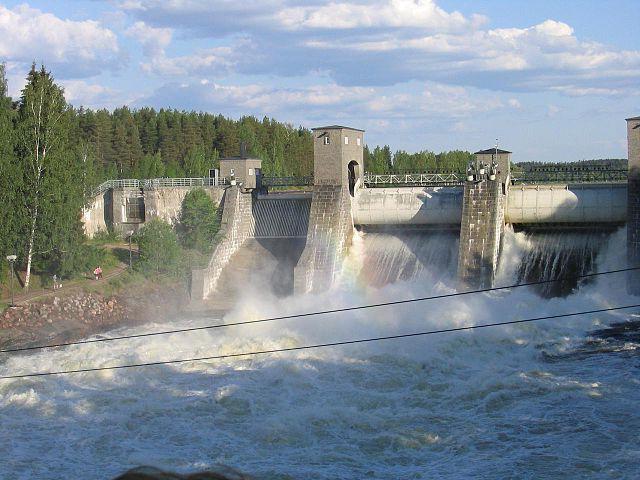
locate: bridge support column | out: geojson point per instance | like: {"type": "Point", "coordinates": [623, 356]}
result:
{"type": "Point", "coordinates": [483, 208]}
{"type": "Point", "coordinates": [633, 208]}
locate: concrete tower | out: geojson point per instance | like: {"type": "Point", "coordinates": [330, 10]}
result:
{"type": "Point", "coordinates": [338, 167]}
{"type": "Point", "coordinates": [483, 207]}
{"type": "Point", "coordinates": [338, 155]}
{"type": "Point", "coordinates": [633, 208]}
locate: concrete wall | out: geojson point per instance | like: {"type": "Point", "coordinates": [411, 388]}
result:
{"type": "Point", "coordinates": [532, 204]}
{"type": "Point", "coordinates": [633, 199]}
{"type": "Point", "coordinates": [408, 205]}
{"type": "Point", "coordinates": [166, 202]}
{"type": "Point", "coordinates": [526, 204]}
{"type": "Point", "coordinates": [109, 210]}
{"type": "Point", "coordinates": [120, 222]}
{"type": "Point", "coordinates": [235, 228]}
{"type": "Point", "coordinates": [328, 237]}
{"type": "Point", "coordinates": [93, 216]}
{"type": "Point", "coordinates": [480, 233]}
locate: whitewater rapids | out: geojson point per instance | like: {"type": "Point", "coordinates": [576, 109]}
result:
{"type": "Point", "coordinates": [524, 401]}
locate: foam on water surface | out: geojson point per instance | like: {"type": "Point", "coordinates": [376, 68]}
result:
{"type": "Point", "coordinates": [503, 402]}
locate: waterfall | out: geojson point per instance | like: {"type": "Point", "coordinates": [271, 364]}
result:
{"type": "Point", "coordinates": [549, 255]}
{"type": "Point", "coordinates": [391, 257]}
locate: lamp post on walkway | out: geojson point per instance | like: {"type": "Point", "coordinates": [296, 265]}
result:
{"type": "Point", "coordinates": [11, 259]}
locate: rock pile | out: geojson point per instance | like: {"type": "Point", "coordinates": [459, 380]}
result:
{"type": "Point", "coordinates": [87, 309]}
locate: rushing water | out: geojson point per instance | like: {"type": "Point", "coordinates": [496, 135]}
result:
{"type": "Point", "coordinates": [528, 401]}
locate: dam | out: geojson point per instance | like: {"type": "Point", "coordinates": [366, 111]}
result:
{"type": "Point", "coordinates": [307, 232]}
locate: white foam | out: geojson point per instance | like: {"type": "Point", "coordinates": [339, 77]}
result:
{"type": "Point", "coordinates": [437, 406]}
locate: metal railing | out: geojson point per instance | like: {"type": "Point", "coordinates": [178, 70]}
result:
{"type": "Point", "coordinates": [184, 182]}
{"type": "Point", "coordinates": [413, 179]}
{"type": "Point", "coordinates": [568, 175]}
{"type": "Point", "coordinates": [152, 183]}
{"type": "Point", "coordinates": [286, 181]}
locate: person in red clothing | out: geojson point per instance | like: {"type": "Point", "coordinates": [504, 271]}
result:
{"type": "Point", "coordinates": [97, 273]}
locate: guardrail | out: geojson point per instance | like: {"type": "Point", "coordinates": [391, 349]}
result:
{"type": "Point", "coordinates": [152, 183]}
{"type": "Point", "coordinates": [286, 181]}
{"type": "Point", "coordinates": [569, 175]}
{"type": "Point", "coordinates": [414, 179]}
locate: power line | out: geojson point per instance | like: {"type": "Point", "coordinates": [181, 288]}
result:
{"type": "Point", "coordinates": [310, 314]}
{"type": "Point", "coordinates": [317, 345]}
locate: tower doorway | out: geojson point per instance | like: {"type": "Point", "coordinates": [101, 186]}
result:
{"type": "Point", "coordinates": [353, 170]}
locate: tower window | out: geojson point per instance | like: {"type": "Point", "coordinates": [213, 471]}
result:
{"type": "Point", "coordinates": [358, 141]}
{"type": "Point", "coordinates": [326, 140]}
{"type": "Point", "coordinates": [346, 140]}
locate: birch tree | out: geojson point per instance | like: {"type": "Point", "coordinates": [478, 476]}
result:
{"type": "Point", "coordinates": [43, 116]}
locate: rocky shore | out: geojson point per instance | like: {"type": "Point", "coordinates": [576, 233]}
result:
{"type": "Point", "coordinates": [79, 314]}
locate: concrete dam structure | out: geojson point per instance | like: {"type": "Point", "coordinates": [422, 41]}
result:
{"type": "Point", "coordinates": [308, 233]}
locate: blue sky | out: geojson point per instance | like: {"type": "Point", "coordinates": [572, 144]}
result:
{"type": "Point", "coordinates": [551, 80]}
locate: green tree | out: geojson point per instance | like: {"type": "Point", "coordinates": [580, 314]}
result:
{"type": "Point", "coordinates": [198, 221]}
{"type": "Point", "coordinates": [196, 163]}
{"type": "Point", "coordinates": [159, 249]}
{"type": "Point", "coordinates": [150, 166]}
{"type": "Point", "coordinates": [10, 176]}
{"type": "Point", "coordinates": [53, 188]}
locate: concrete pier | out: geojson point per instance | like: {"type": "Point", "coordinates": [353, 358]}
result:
{"type": "Point", "coordinates": [483, 208]}
{"type": "Point", "coordinates": [633, 204]}
{"type": "Point", "coordinates": [480, 233]}
{"type": "Point", "coordinates": [338, 169]}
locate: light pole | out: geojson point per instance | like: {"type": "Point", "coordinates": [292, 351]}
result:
{"type": "Point", "coordinates": [11, 259]}
{"type": "Point", "coordinates": [130, 262]}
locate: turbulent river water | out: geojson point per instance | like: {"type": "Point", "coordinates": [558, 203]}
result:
{"type": "Point", "coordinates": [547, 399]}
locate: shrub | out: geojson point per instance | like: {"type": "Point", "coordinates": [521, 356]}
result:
{"type": "Point", "coordinates": [158, 247]}
{"type": "Point", "coordinates": [199, 221]}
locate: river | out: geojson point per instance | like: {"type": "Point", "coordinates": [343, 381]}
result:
{"type": "Point", "coordinates": [548, 399]}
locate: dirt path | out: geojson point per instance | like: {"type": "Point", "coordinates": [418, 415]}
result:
{"type": "Point", "coordinates": [68, 286]}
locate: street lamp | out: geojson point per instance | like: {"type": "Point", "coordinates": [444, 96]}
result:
{"type": "Point", "coordinates": [11, 259]}
{"type": "Point", "coordinates": [130, 260]}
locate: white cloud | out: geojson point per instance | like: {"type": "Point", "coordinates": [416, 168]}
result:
{"type": "Point", "coordinates": [74, 47]}
{"type": "Point", "coordinates": [80, 93]}
{"type": "Point", "coordinates": [219, 60]}
{"type": "Point", "coordinates": [328, 101]}
{"type": "Point", "coordinates": [421, 14]}
{"type": "Point", "coordinates": [154, 40]}
{"type": "Point", "coordinates": [552, 110]}
{"type": "Point", "coordinates": [575, 91]}
{"type": "Point", "coordinates": [388, 42]}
